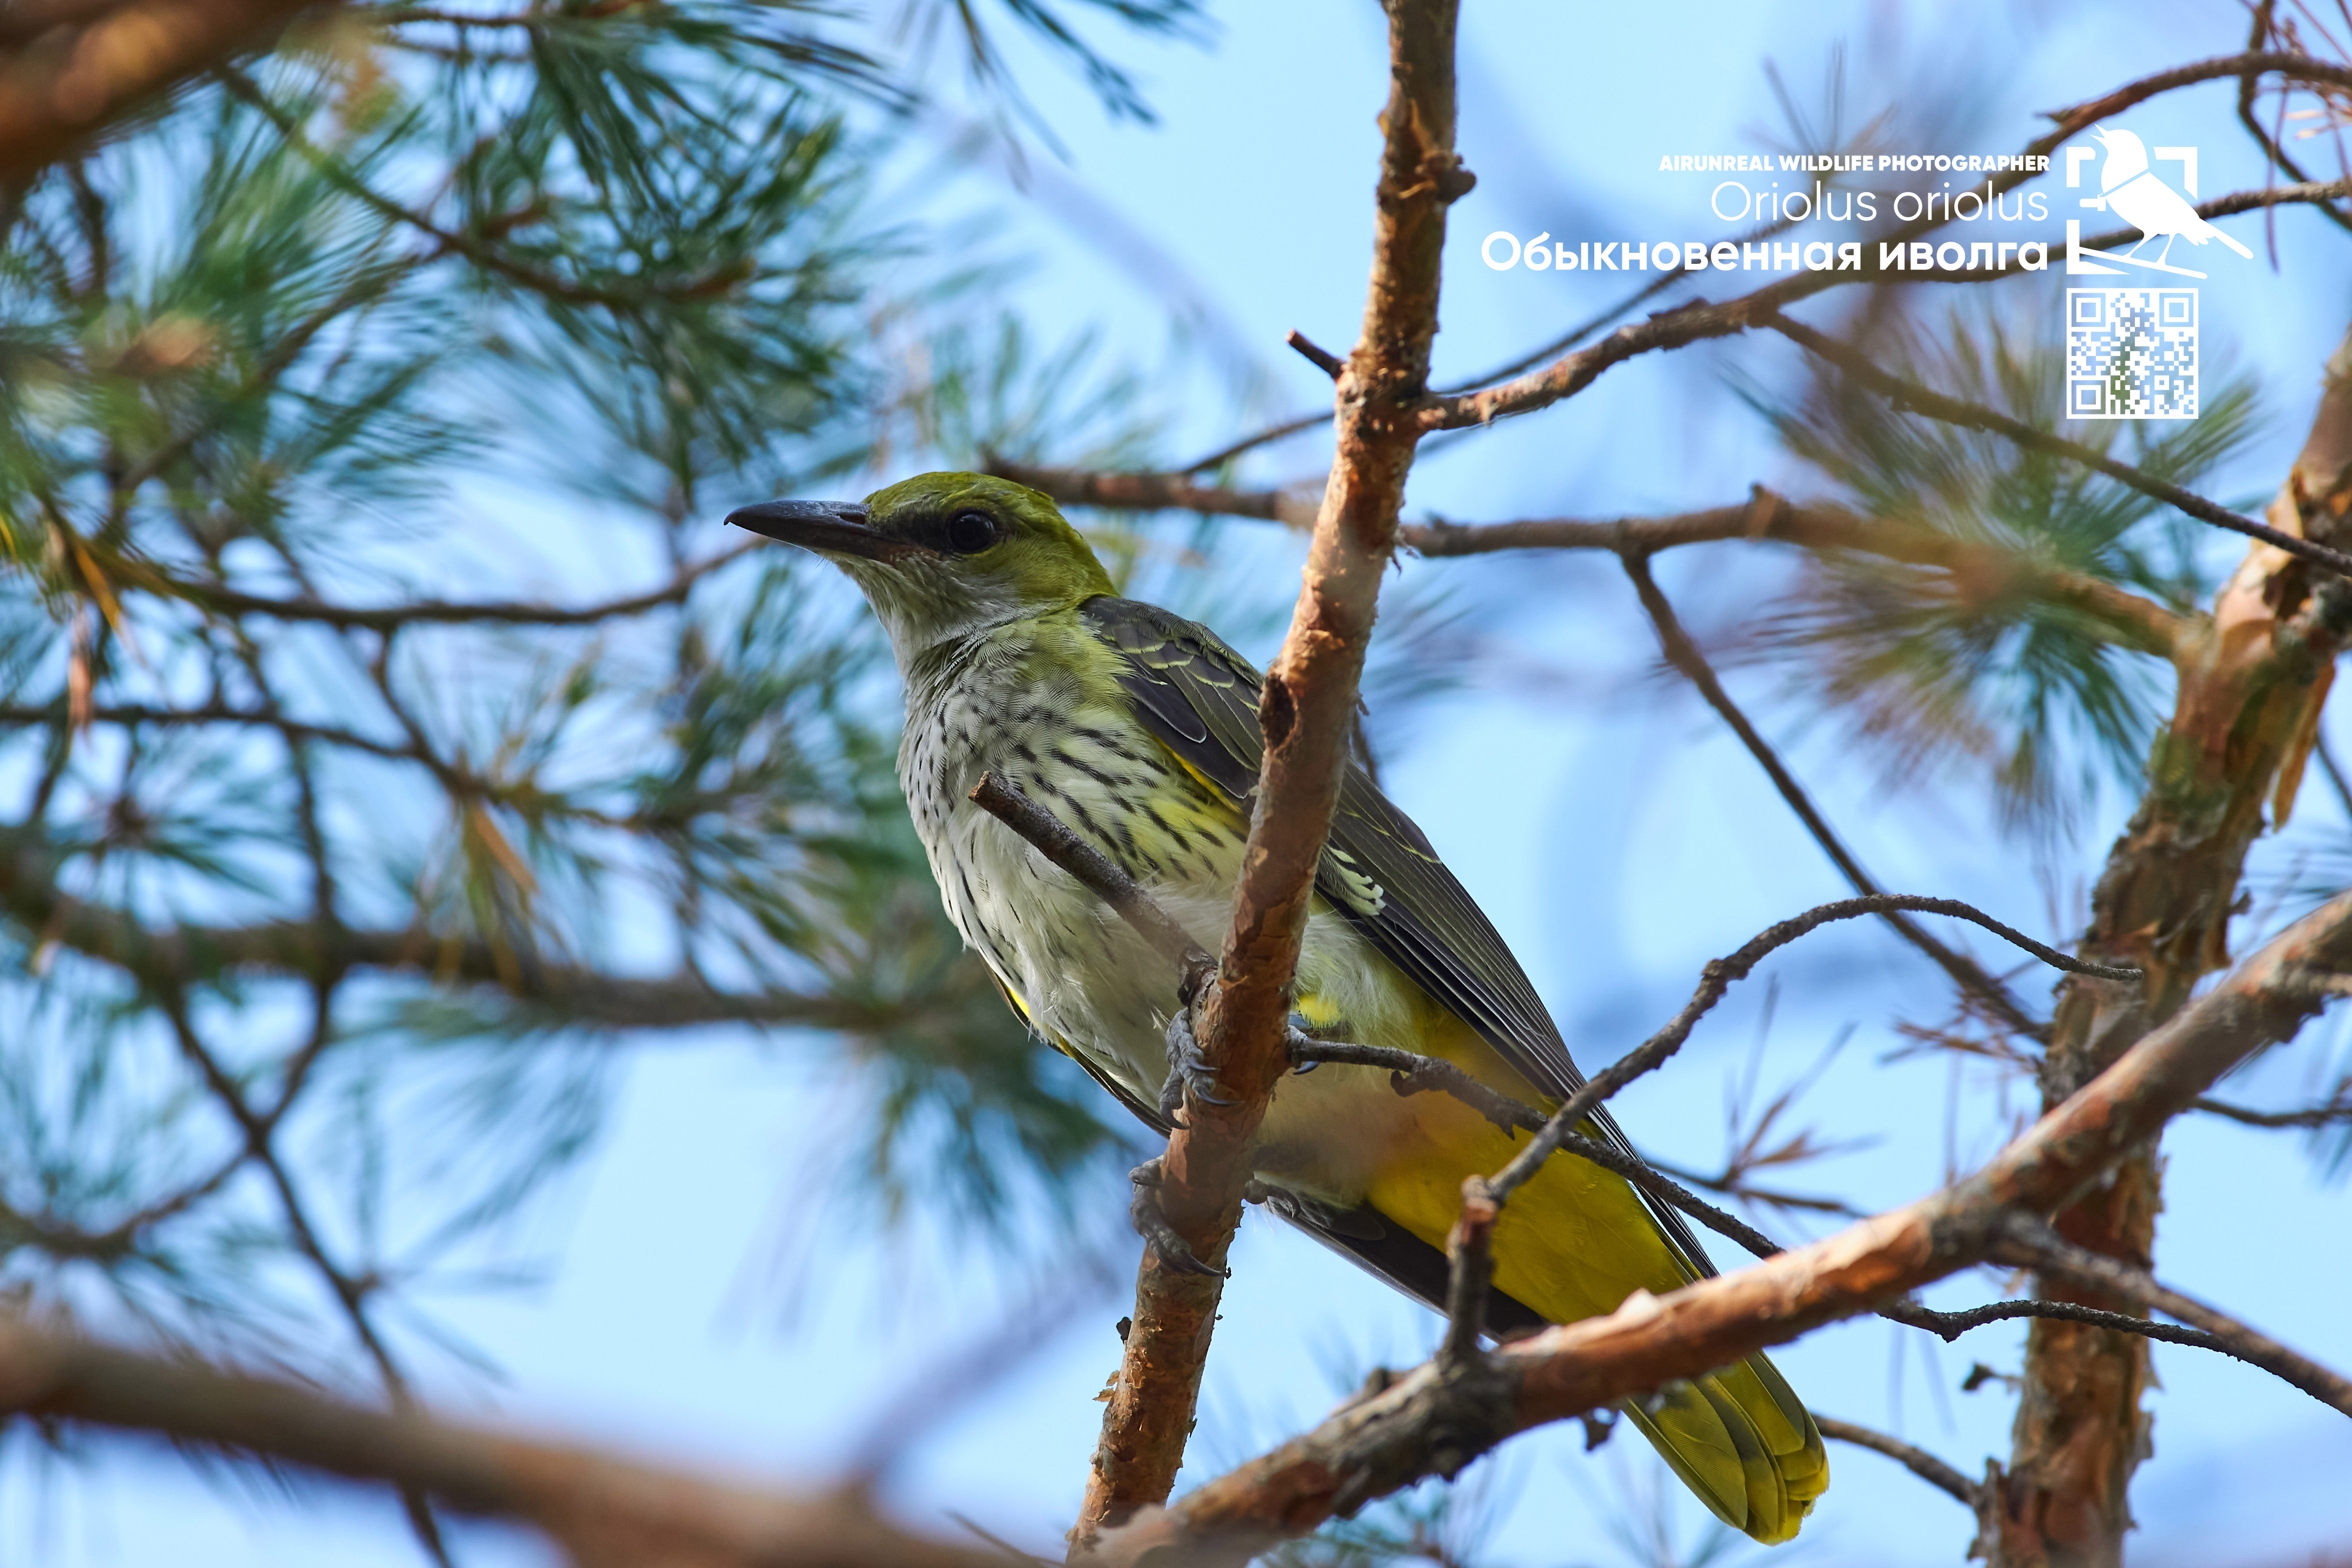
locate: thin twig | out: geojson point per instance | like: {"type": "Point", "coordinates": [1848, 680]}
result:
{"type": "Point", "coordinates": [563, 290]}
{"type": "Point", "coordinates": [2028, 1240]}
{"type": "Point", "coordinates": [1718, 977]}
{"type": "Point", "coordinates": [1321, 358]}
{"type": "Point", "coordinates": [1700, 321]}
{"type": "Point", "coordinates": [350, 1291]}
{"type": "Point", "coordinates": [1764, 516]}
{"type": "Point", "coordinates": [1917, 1460]}
{"type": "Point", "coordinates": [2336, 1111]}
{"type": "Point", "coordinates": [1413, 1074]}
{"type": "Point", "coordinates": [443, 611]}
{"type": "Point", "coordinates": [1950, 1326]}
{"type": "Point", "coordinates": [1684, 655]}
{"type": "Point", "coordinates": [1470, 1273]}
{"type": "Point", "coordinates": [2274, 155]}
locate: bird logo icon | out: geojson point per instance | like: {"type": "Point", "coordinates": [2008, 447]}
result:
{"type": "Point", "coordinates": [2135, 192]}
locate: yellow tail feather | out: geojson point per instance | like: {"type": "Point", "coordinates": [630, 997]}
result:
{"type": "Point", "coordinates": [1731, 1439]}
{"type": "Point", "coordinates": [1573, 1243]}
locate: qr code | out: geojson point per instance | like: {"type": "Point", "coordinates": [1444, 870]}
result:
{"type": "Point", "coordinates": [2131, 354]}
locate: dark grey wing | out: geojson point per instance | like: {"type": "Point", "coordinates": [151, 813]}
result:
{"type": "Point", "coordinates": [1199, 698]}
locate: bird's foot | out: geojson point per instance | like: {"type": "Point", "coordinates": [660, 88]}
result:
{"type": "Point", "coordinates": [1151, 1224]}
{"type": "Point", "coordinates": [1298, 1039]}
{"type": "Point", "coordinates": [1188, 1071]}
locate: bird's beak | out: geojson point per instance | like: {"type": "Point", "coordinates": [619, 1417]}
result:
{"type": "Point", "coordinates": [828, 527]}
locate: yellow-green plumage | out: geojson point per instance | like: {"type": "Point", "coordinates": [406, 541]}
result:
{"type": "Point", "coordinates": [1138, 730]}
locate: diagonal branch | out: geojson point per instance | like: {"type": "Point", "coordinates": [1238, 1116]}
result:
{"type": "Point", "coordinates": [2273, 154]}
{"type": "Point", "coordinates": [1100, 875]}
{"type": "Point", "coordinates": [1684, 655]}
{"type": "Point", "coordinates": [1395, 1438]}
{"type": "Point", "coordinates": [2336, 1111]}
{"type": "Point", "coordinates": [1699, 321]}
{"type": "Point", "coordinates": [1410, 1074]}
{"type": "Point", "coordinates": [81, 67]}
{"type": "Point", "coordinates": [548, 285]}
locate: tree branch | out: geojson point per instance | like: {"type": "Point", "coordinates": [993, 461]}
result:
{"type": "Point", "coordinates": [443, 611]}
{"type": "Point", "coordinates": [1684, 655]}
{"type": "Point", "coordinates": [81, 67]}
{"type": "Point", "coordinates": [2138, 622]}
{"type": "Point", "coordinates": [1100, 876]}
{"type": "Point", "coordinates": [2028, 1241]}
{"type": "Point", "coordinates": [1695, 323]}
{"type": "Point", "coordinates": [1918, 1461]}
{"type": "Point", "coordinates": [2274, 155]}
{"type": "Point", "coordinates": [1387, 1441]}
{"type": "Point", "coordinates": [571, 995]}
{"type": "Point", "coordinates": [2338, 1110]}
{"type": "Point", "coordinates": [1950, 1326]}
{"type": "Point", "coordinates": [1305, 710]}
{"type": "Point", "coordinates": [563, 290]}
{"type": "Point", "coordinates": [2245, 708]}
{"type": "Point", "coordinates": [600, 1510]}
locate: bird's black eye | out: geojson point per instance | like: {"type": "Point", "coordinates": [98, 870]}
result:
{"type": "Point", "coordinates": [970, 533]}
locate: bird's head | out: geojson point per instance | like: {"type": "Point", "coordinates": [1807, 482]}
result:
{"type": "Point", "coordinates": [940, 556]}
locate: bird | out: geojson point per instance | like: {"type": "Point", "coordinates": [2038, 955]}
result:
{"type": "Point", "coordinates": [2133, 191]}
{"type": "Point", "coordinates": [1138, 729]}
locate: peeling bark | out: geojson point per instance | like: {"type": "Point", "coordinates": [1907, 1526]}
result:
{"type": "Point", "coordinates": [2246, 714]}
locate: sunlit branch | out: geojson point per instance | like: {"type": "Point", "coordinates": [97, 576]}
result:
{"type": "Point", "coordinates": [1306, 711]}
{"type": "Point", "coordinates": [1392, 1438]}
{"type": "Point", "coordinates": [67, 71]}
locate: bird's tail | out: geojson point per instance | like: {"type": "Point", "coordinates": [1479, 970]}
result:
{"type": "Point", "coordinates": [1741, 1440]}
{"type": "Point", "coordinates": [2230, 242]}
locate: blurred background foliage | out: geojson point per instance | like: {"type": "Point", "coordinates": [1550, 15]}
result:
{"type": "Point", "coordinates": [330, 800]}
{"type": "Point", "coordinates": [2048, 695]}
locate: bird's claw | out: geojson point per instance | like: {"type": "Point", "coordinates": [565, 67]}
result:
{"type": "Point", "coordinates": [1151, 1224]}
{"type": "Point", "coordinates": [1298, 1038]}
{"type": "Point", "coordinates": [1188, 1071]}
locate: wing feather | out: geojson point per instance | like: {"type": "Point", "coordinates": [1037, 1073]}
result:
{"type": "Point", "coordinates": [1199, 698]}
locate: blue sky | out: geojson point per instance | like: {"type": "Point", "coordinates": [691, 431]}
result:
{"type": "Point", "coordinates": [1616, 834]}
